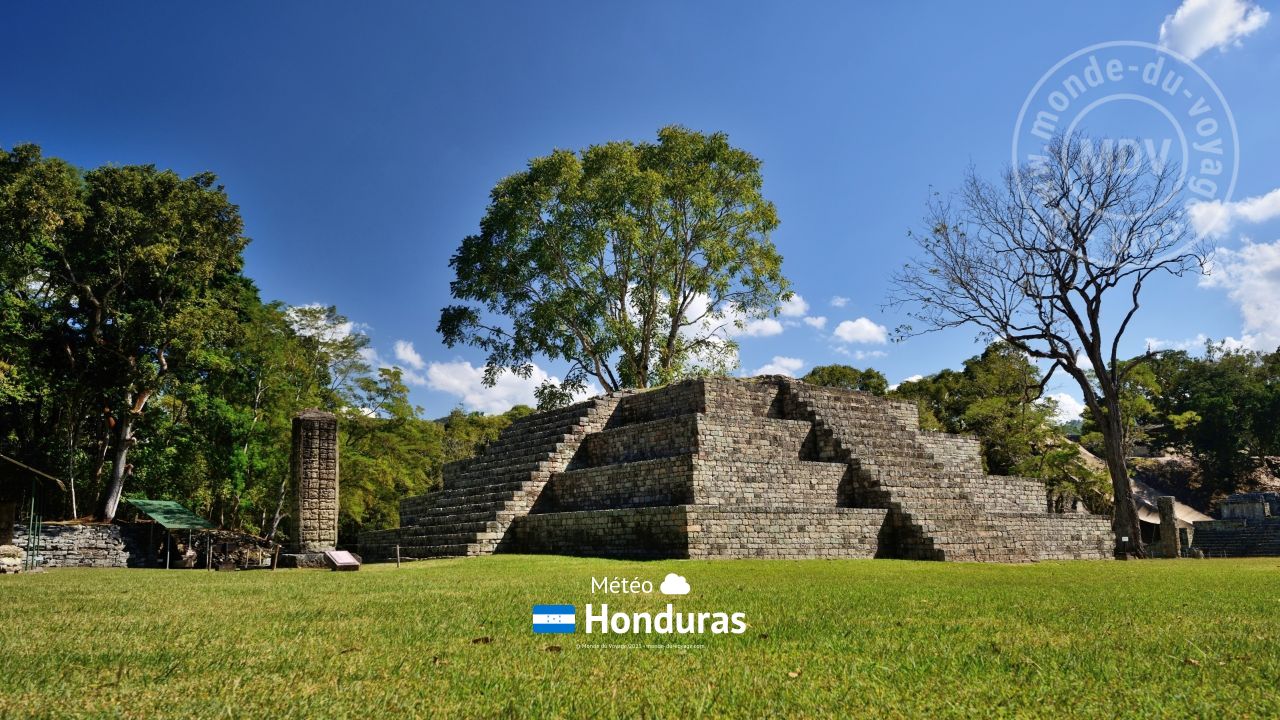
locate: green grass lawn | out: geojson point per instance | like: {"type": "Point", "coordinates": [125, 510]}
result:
{"type": "Point", "coordinates": [826, 638]}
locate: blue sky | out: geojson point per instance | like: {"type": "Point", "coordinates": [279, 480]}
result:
{"type": "Point", "coordinates": [361, 139]}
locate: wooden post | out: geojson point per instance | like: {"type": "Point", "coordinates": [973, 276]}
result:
{"type": "Point", "coordinates": [168, 536]}
{"type": "Point", "coordinates": [397, 556]}
{"type": "Point", "coordinates": [275, 557]}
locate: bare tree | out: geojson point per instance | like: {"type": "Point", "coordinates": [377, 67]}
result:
{"type": "Point", "coordinates": [1031, 260]}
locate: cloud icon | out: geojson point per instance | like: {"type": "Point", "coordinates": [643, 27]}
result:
{"type": "Point", "coordinates": [674, 584]}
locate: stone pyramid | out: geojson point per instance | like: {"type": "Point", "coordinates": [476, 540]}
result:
{"type": "Point", "coordinates": [719, 467]}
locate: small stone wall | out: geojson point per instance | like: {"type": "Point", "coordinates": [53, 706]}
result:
{"type": "Point", "coordinates": [678, 399]}
{"type": "Point", "coordinates": [953, 452]}
{"type": "Point", "coordinates": [762, 532]}
{"type": "Point", "coordinates": [1005, 493]}
{"type": "Point", "coordinates": [641, 441]}
{"type": "Point", "coordinates": [637, 533]}
{"type": "Point", "coordinates": [662, 481]}
{"type": "Point", "coordinates": [1051, 536]}
{"type": "Point", "coordinates": [101, 546]}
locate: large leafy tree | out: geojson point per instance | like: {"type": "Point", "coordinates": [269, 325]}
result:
{"type": "Point", "coordinates": [630, 261]}
{"type": "Point", "coordinates": [136, 265]}
{"type": "Point", "coordinates": [44, 389]}
{"type": "Point", "coordinates": [216, 395]}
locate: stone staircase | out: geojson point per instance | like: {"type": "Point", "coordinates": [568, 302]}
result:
{"type": "Point", "coordinates": [942, 504]}
{"type": "Point", "coordinates": [471, 513]}
{"type": "Point", "coordinates": [1238, 537]}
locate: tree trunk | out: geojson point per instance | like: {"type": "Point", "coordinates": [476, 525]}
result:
{"type": "Point", "coordinates": [1124, 518]}
{"type": "Point", "coordinates": [275, 521]}
{"type": "Point", "coordinates": [115, 487]}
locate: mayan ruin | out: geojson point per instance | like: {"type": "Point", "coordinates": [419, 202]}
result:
{"type": "Point", "coordinates": [766, 467]}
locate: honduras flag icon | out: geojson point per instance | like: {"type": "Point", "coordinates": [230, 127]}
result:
{"type": "Point", "coordinates": [553, 619]}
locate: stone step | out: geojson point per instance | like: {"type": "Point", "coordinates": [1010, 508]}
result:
{"type": "Point", "coordinates": [416, 552]}
{"type": "Point", "coordinates": [462, 496]}
{"type": "Point", "coordinates": [649, 440]}
{"type": "Point", "coordinates": [471, 511]}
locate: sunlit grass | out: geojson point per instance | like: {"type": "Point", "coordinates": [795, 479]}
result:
{"type": "Point", "coordinates": [826, 638]}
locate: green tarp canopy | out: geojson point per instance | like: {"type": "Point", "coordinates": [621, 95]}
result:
{"type": "Point", "coordinates": [170, 515]}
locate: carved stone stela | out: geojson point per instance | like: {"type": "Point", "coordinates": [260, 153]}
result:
{"type": "Point", "coordinates": [315, 477]}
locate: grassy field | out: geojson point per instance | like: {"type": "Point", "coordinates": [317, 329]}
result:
{"type": "Point", "coordinates": [826, 639]}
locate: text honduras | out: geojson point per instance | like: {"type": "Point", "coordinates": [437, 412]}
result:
{"type": "Point", "coordinates": [665, 622]}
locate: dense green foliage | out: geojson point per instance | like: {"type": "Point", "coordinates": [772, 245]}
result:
{"type": "Point", "coordinates": [136, 358]}
{"type": "Point", "coordinates": [121, 279]}
{"type": "Point", "coordinates": [825, 638]}
{"type": "Point", "coordinates": [997, 397]}
{"type": "Point", "coordinates": [630, 261]}
{"type": "Point", "coordinates": [1221, 409]}
{"type": "Point", "coordinates": [1218, 409]}
{"type": "Point", "coordinates": [849, 378]}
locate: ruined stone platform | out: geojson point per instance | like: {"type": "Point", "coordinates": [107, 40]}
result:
{"type": "Point", "coordinates": [730, 468]}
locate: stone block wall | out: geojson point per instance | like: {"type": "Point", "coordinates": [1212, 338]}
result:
{"type": "Point", "coordinates": [1005, 493]}
{"type": "Point", "coordinates": [641, 483]}
{"type": "Point", "coordinates": [676, 435]}
{"type": "Point", "coordinates": [956, 453]}
{"type": "Point", "coordinates": [680, 398]}
{"type": "Point", "coordinates": [764, 532]}
{"type": "Point", "coordinates": [97, 546]}
{"type": "Point", "coordinates": [636, 533]}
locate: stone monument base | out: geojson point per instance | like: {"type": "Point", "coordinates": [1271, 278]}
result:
{"type": "Point", "coordinates": [302, 560]}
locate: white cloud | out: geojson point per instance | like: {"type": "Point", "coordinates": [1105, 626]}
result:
{"type": "Point", "coordinates": [838, 301]}
{"type": "Point", "coordinates": [465, 381]}
{"type": "Point", "coordinates": [407, 355]}
{"type": "Point", "coordinates": [795, 307]}
{"type": "Point", "coordinates": [1201, 25]}
{"type": "Point", "coordinates": [862, 330]}
{"type": "Point", "coordinates": [1251, 277]}
{"type": "Point", "coordinates": [1068, 408]}
{"type": "Point", "coordinates": [909, 378]}
{"type": "Point", "coordinates": [758, 327]}
{"type": "Point", "coordinates": [1216, 218]}
{"type": "Point", "coordinates": [317, 325]}
{"type": "Point", "coordinates": [376, 361]}
{"type": "Point", "coordinates": [781, 365]}
{"type": "Point", "coordinates": [728, 324]}
{"type": "Point", "coordinates": [1189, 344]}
{"type": "Point", "coordinates": [1196, 345]}
{"type": "Point", "coordinates": [860, 354]}
{"type": "Point", "coordinates": [674, 584]}
{"type": "Point", "coordinates": [816, 322]}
